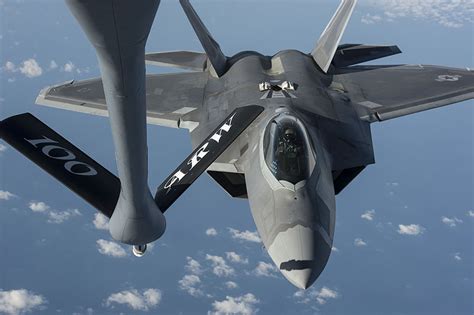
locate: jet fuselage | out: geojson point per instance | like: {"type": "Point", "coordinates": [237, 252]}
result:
{"type": "Point", "coordinates": [286, 155]}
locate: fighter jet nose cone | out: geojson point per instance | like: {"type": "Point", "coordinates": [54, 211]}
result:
{"type": "Point", "coordinates": [301, 279]}
{"type": "Point", "coordinates": [301, 254]}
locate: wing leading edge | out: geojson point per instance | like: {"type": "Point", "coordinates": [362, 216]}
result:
{"type": "Point", "coordinates": [387, 92]}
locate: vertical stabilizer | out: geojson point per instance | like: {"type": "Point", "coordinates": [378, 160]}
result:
{"type": "Point", "coordinates": [118, 30]}
{"type": "Point", "coordinates": [213, 51]}
{"type": "Point", "coordinates": [327, 45]}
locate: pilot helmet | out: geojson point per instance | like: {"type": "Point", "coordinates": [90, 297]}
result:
{"type": "Point", "coordinates": [290, 134]}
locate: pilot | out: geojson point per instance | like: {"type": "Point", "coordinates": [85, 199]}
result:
{"type": "Point", "coordinates": [290, 143]}
{"type": "Point", "coordinates": [288, 152]}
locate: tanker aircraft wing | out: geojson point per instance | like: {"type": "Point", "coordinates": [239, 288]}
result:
{"type": "Point", "coordinates": [386, 92]}
{"type": "Point", "coordinates": [173, 100]}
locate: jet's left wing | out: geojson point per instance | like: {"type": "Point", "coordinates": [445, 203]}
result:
{"type": "Point", "coordinates": [173, 100]}
{"type": "Point", "coordinates": [386, 92]}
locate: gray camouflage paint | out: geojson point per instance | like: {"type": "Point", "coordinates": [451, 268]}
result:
{"type": "Point", "coordinates": [296, 222]}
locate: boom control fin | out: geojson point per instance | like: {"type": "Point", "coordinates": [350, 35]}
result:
{"type": "Point", "coordinates": [62, 160]}
{"type": "Point", "coordinates": [205, 154]}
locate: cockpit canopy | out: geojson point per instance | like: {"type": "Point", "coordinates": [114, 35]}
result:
{"type": "Point", "coordinates": [287, 150]}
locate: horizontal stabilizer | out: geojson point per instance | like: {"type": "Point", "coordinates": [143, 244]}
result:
{"type": "Point", "coordinates": [212, 48]}
{"type": "Point", "coordinates": [205, 154]}
{"type": "Point", "coordinates": [350, 54]}
{"type": "Point", "coordinates": [327, 45]}
{"type": "Point", "coordinates": [62, 160]}
{"type": "Point", "coordinates": [178, 59]}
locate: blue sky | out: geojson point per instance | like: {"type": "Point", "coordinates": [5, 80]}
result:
{"type": "Point", "coordinates": [404, 233]}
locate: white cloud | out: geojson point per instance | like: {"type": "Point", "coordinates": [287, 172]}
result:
{"type": "Point", "coordinates": [101, 222]}
{"type": "Point", "coordinates": [89, 311]}
{"type": "Point", "coordinates": [245, 235]}
{"type": "Point", "coordinates": [10, 67]}
{"type": "Point", "coordinates": [6, 195]}
{"type": "Point", "coordinates": [236, 258]}
{"type": "Point", "coordinates": [325, 294]}
{"type": "Point", "coordinates": [371, 19]}
{"type": "Point", "coordinates": [38, 206]}
{"type": "Point", "coordinates": [412, 229]}
{"type": "Point", "coordinates": [148, 299]}
{"type": "Point", "coordinates": [451, 222]}
{"type": "Point", "coordinates": [243, 305]}
{"type": "Point", "coordinates": [335, 249]}
{"type": "Point", "coordinates": [193, 266]}
{"type": "Point", "coordinates": [190, 284]}
{"type": "Point", "coordinates": [321, 296]}
{"type": "Point", "coordinates": [69, 67]}
{"type": "Point", "coordinates": [264, 269]}
{"type": "Point", "coordinates": [152, 297]}
{"type": "Point", "coordinates": [30, 68]}
{"type": "Point", "coordinates": [301, 293]}
{"type": "Point", "coordinates": [21, 301]}
{"type": "Point", "coordinates": [470, 213]}
{"type": "Point", "coordinates": [61, 216]}
{"type": "Point", "coordinates": [219, 266]}
{"type": "Point", "coordinates": [53, 65]}
{"type": "Point", "coordinates": [359, 242]}
{"type": "Point", "coordinates": [53, 215]}
{"type": "Point", "coordinates": [110, 248]}
{"type": "Point", "coordinates": [457, 256]}
{"type": "Point", "coordinates": [368, 215]}
{"type": "Point", "coordinates": [211, 232]}
{"type": "Point", "coordinates": [231, 285]}
{"type": "Point", "coordinates": [449, 13]}
{"type": "Point", "coordinates": [3, 148]}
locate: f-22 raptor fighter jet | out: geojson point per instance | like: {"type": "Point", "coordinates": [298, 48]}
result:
{"type": "Point", "coordinates": [289, 131]}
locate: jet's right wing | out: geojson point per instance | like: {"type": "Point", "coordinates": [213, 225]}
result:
{"type": "Point", "coordinates": [173, 100]}
{"type": "Point", "coordinates": [386, 92]}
